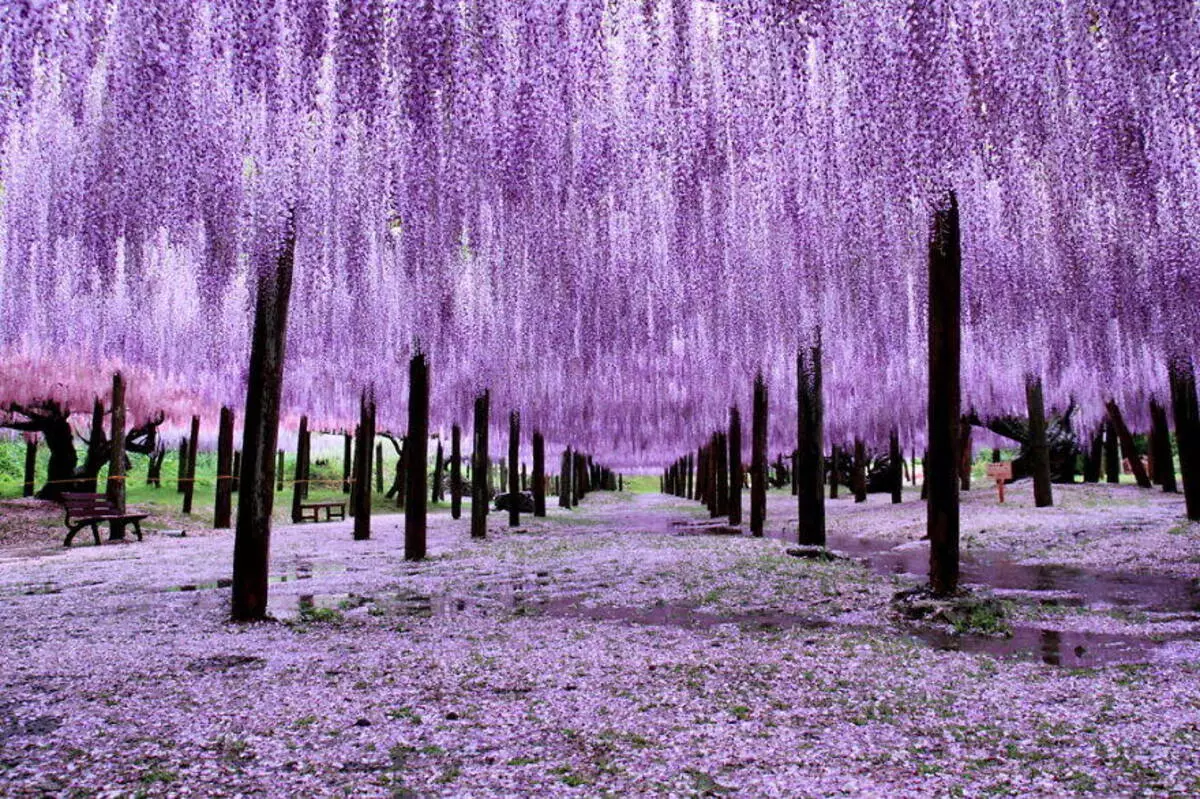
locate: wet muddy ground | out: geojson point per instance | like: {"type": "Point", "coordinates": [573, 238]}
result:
{"type": "Point", "coordinates": [628, 647]}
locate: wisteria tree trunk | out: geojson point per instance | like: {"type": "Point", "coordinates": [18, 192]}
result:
{"type": "Point", "coordinates": [480, 466]}
{"type": "Point", "coordinates": [31, 447]}
{"type": "Point", "coordinates": [859, 479]}
{"type": "Point", "coordinates": [895, 466]}
{"type": "Point", "coordinates": [361, 496]}
{"type": "Point", "coordinates": [1112, 458]}
{"type": "Point", "coordinates": [941, 463]}
{"type": "Point", "coordinates": [539, 474]}
{"type": "Point", "coordinates": [1186, 411]}
{"type": "Point", "coordinates": [260, 436]}
{"type": "Point", "coordinates": [758, 459]}
{"type": "Point", "coordinates": [116, 462]}
{"type": "Point", "coordinates": [810, 447]}
{"type": "Point", "coordinates": [416, 451]}
{"type": "Point", "coordinates": [1039, 451]}
{"type": "Point", "coordinates": [1128, 448]}
{"type": "Point", "coordinates": [1164, 464]}
{"type": "Point", "coordinates": [189, 488]}
{"type": "Point", "coordinates": [223, 502]}
{"type": "Point", "coordinates": [735, 466]}
{"type": "Point", "coordinates": [514, 468]}
{"type": "Point", "coordinates": [456, 472]}
{"type": "Point", "coordinates": [300, 478]}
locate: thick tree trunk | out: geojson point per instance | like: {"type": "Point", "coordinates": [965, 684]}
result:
{"type": "Point", "coordinates": [835, 470]}
{"type": "Point", "coordinates": [260, 437]}
{"type": "Point", "coordinates": [279, 471]}
{"type": "Point", "coordinates": [964, 456]}
{"type": "Point", "coordinates": [941, 465]}
{"type": "Point", "coordinates": [31, 445]}
{"type": "Point", "coordinates": [116, 463]}
{"type": "Point", "coordinates": [181, 470]}
{"type": "Point", "coordinates": [1039, 452]}
{"type": "Point", "coordinates": [189, 488]}
{"type": "Point", "coordinates": [689, 477]}
{"type": "Point", "coordinates": [895, 465]}
{"type": "Point", "coordinates": [1164, 464]}
{"type": "Point", "coordinates": [378, 468]}
{"type": "Point", "coordinates": [237, 470]}
{"type": "Point", "coordinates": [435, 493]}
{"type": "Point", "coordinates": [154, 467]}
{"type": "Point", "coordinates": [480, 468]}
{"type": "Point", "coordinates": [416, 449]}
{"type": "Point", "coordinates": [514, 475]}
{"type": "Point", "coordinates": [223, 503]}
{"type": "Point", "coordinates": [810, 447]}
{"type": "Point", "coordinates": [860, 470]}
{"type": "Point", "coordinates": [347, 461]}
{"type": "Point", "coordinates": [455, 472]}
{"type": "Point", "coordinates": [1095, 458]}
{"type": "Point", "coordinates": [735, 466]}
{"type": "Point", "coordinates": [1112, 459]}
{"type": "Point", "coordinates": [758, 459]}
{"type": "Point", "coordinates": [362, 466]}
{"type": "Point", "coordinates": [539, 474]}
{"type": "Point", "coordinates": [566, 480]}
{"type": "Point", "coordinates": [1186, 411]}
{"type": "Point", "coordinates": [1128, 449]}
{"type": "Point", "coordinates": [301, 476]}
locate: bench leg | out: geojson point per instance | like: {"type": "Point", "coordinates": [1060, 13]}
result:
{"type": "Point", "coordinates": [96, 533]}
{"type": "Point", "coordinates": [137, 529]}
{"type": "Point", "coordinates": [71, 531]}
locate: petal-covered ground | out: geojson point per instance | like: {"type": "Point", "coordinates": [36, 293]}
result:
{"type": "Point", "coordinates": [619, 649]}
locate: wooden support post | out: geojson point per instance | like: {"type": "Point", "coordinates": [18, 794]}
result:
{"type": "Point", "coordinates": [223, 505]}
{"type": "Point", "coordinates": [31, 445]}
{"type": "Point", "coordinates": [1094, 459]}
{"type": "Point", "coordinates": [514, 468]}
{"type": "Point", "coordinates": [455, 472]}
{"type": "Point", "coordinates": [896, 466]}
{"type": "Point", "coordinates": [237, 470]}
{"type": "Point", "coordinates": [689, 477]}
{"type": "Point", "coordinates": [279, 472]}
{"type": "Point", "coordinates": [1128, 449]}
{"type": "Point", "coordinates": [347, 461]}
{"type": "Point", "coordinates": [735, 466]}
{"type": "Point", "coordinates": [361, 496]}
{"type": "Point", "coordinates": [260, 436]}
{"type": "Point", "coordinates": [300, 475]}
{"type": "Point", "coordinates": [758, 458]}
{"type": "Point", "coordinates": [1186, 411]}
{"type": "Point", "coordinates": [1164, 463]}
{"type": "Point", "coordinates": [189, 488]}
{"type": "Point", "coordinates": [416, 450]}
{"type": "Point", "coordinates": [565, 482]}
{"type": "Point", "coordinates": [539, 474]}
{"type": "Point", "coordinates": [1112, 459]}
{"type": "Point", "coordinates": [435, 493]}
{"type": "Point", "coordinates": [944, 403]}
{"type": "Point", "coordinates": [722, 447]}
{"type": "Point", "coordinates": [835, 470]}
{"type": "Point", "coordinates": [860, 470]}
{"type": "Point", "coordinates": [1039, 451]}
{"type": "Point", "coordinates": [810, 447]}
{"type": "Point", "coordinates": [181, 470]}
{"type": "Point", "coordinates": [480, 467]}
{"type": "Point", "coordinates": [964, 455]}
{"type": "Point", "coordinates": [116, 463]}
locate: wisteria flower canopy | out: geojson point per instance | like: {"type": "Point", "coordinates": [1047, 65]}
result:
{"type": "Point", "coordinates": [611, 214]}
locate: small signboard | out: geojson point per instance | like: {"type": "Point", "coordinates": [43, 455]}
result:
{"type": "Point", "coordinates": [1000, 472]}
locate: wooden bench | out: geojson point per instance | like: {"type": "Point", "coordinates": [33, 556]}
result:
{"type": "Point", "coordinates": [310, 511]}
{"type": "Point", "coordinates": [85, 510]}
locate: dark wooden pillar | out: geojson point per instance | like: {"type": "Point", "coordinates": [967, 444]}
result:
{"type": "Point", "coordinates": [859, 478]}
{"type": "Point", "coordinates": [1186, 411]}
{"type": "Point", "coordinates": [480, 467]}
{"type": "Point", "coordinates": [835, 470]}
{"type": "Point", "coordinates": [539, 474]}
{"type": "Point", "coordinates": [347, 461]}
{"type": "Point", "coordinates": [223, 505]}
{"type": "Point", "coordinates": [279, 472]}
{"type": "Point", "coordinates": [300, 472]}
{"type": "Point", "coordinates": [189, 487]}
{"type": "Point", "coordinates": [237, 470]}
{"type": "Point", "coordinates": [1128, 449]}
{"type": "Point", "coordinates": [116, 463]}
{"type": "Point", "coordinates": [31, 445]}
{"type": "Point", "coordinates": [1164, 464]}
{"type": "Point", "coordinates": [735, 466]}
{"type": "Point", "coordinates": [565, 481]}
{"type": "Point", "coordinates": [435, 493]}
{"type": "Point", "coordinates": [379, 468]}
{"type": "Point", "coordinates": [455, 472]}
{"type": "Point", "coordinates": [896, 466]}
{"type": "Point", "coordinates": [361, 496]}
{"type": "Point", "coordinates": [417, 451]}
{"type": "Point", "coordinates": [1095, 458]}
{"type": "Point", "coordinates": [758, 458]}
{"type": "Point", "coordinates": [514, 468]}
{"type": "Point", "coordinates": [810, 448]}
{"type": "Point", "coordinates": [1112, 459]}
{"type": "Point", "coordinates": [964, 455]}
{"type": "Point", "coordinates": [1039, 450]}
{"type": "Point", "coordinates": [260, 435]}
{"type": "Point", "coordinates": [944, 403]}
{"type": "Point", "coordinates": [689, 478]}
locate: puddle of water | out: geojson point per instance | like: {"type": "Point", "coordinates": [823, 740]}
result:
{"type": "Point", "coordinates": [1054, 647]}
